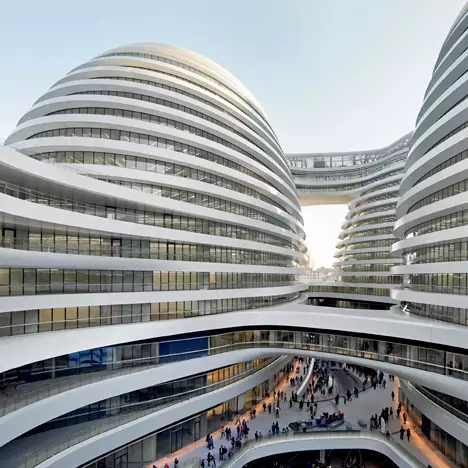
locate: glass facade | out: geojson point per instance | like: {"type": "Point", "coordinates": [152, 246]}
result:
{"type": "Point", "coordinates": [163, 443]}
{"type": "Point", "coordinates": [148, 217]}
{"type": "Point", "coordinates": [145, 400]}
{"type": "Point", "coordinates": [453, 449]}
{"type": "Point", "coordinates": [151, 165]}
{"type": "Point", "coordinates": [59, 318]}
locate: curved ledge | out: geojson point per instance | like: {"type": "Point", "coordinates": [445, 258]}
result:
{"type": "Point", "coordinates": [423, 297]}
{"type": "Point", "coordinates": [36, 413]}
{"type": "Point", "coordinates": [45, 301]}
{"type": "Point", "coordinates": [447, 421]}
{"type": "Point", "coordinates": [107, 441]}
{"type": "Point", "coordinates": [326, 440]}
{"type": "Point", "coordinates": [20, 350]}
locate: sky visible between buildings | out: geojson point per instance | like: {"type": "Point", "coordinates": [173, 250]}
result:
{"type": "Point", "coordinates": [331, 76]}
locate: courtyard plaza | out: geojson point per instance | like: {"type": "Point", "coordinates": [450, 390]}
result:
{"type": "Point", "coordinates": [362, 408]}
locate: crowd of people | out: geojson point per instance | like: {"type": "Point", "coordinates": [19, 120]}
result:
{"type": "Point", "coordinates": [322, 381]}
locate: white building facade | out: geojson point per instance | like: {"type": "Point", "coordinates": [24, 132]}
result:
{"type": "Point", "coordinates": [150, 220]}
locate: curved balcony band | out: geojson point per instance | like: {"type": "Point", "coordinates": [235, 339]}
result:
{"type": "Point", "coordinates": [329, 440]}
{"type": "Point", "coordinates": [431, 213]}
{"type": "Point", "coordinates": [145, 185]}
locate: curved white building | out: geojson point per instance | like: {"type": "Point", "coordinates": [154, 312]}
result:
{"type": "Point", "coordinates": [432, 217]}
{"type": "Point", "coordinates": [145, 185]}
{"type": "Point", "coordinates": [369, 180]}
{"type": "Point", "coordinates": [152, 243]}
{"type": "Point", "coordinates": [156, 187]}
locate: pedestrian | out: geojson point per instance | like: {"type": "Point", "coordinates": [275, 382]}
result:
{"type": "Point", "coordinates": [222, 433]}
{"type": "Point", "coordinates": [344, 399]}
{"type": "Point", "coordinates": [337, 399]}
{"type": "Point", "coordinates": [404, 418]}
{"type": "Point", "coordinates": [277, 410]}
{"type": "Point", "coordinates": [384, 383]}
{"type": "Point", "coordinates": [202, 463]}
{"type": "Point", "coordinates": [256, 435]}
{"type": "Point", "coordinates": [398, 411]}
{"type": "Point", "coordinates": [176, 462]}
{"type": "Point", "coordinates": [391, 413]}
{"type": "Point", "coordinates": [393, 395]}
{"type": "Point", "coordinates": [269, 408]}
{"type": "Point", "coordinates": [290, 402]}
{"type": "Point", "coordinates": [402, 433]}
{"type": "Point", "coordinates": [264, 407]}
{"type": "Point", "coordinates": [408, 434]}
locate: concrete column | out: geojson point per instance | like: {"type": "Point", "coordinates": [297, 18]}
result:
{"type": "Point", "coordinates": [203, 425]}
{"type": "Point", "coordinates": [148, 450]}
{"type": "Point", "coordinates": [134, 452]}
{"type": "Point", "coordinates": [322, 456]}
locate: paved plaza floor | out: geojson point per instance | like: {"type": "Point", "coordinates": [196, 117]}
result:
{"type": "Point", "coordinates": [368, 403]}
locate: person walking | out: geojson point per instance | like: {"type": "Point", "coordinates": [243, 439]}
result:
{"type": "Point", "coordinates": [269, 408]}
{"type": "Point", "coordinates": [404, 418]}
{"type": "Point", "coordinates": [391, 413]}
{"type": "Point", "coordinates": [402, 433]}
{"type": "Point", "coordinates": [264, 407]}
{"type": "Point", "coordinates": [277, 411]}
{"type": "Point", "coordinates": [384, 383]}
{"type": "Point", "coordinates": [176, 462]}
{"type": "Point", "coordinates": [398, 411]}
{"type": "Point", "coordinates": [408, 434]}
{"type": "Point", "coordinates": [393, 395]}
{"type": "Point", "coordinates": [337, 399]}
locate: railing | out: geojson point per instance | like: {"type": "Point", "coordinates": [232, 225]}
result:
{"type": "Point", "coordinates": [148, 252]}
{"type": "Point", "coordinates": [146, 363]}
{"type": "Point", "coordinates": [73, 287]}
{"type": "Point", "coordinates": [103, 320]}
{"type": "Point", "coordinates": [439, 402]}
{"type": "Point", "coordinates": [400, 450]}
{"type": "Point", "coordinates": [430, 288]}
{"type": "Point", "coordinates": [34, 459]}
{"type": "Point", "coordinates": [132, 215]}
{"type": "Point", "coordinates": [347, 172]}
{"type": "Point", "coordinates": [347, 185]}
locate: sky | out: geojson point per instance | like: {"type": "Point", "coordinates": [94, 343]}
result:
{"type": "Point", "coordinates": [332, 75]}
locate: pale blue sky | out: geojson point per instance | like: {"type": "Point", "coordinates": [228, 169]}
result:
{"type": "Point", "coordinates": [330, 74]}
